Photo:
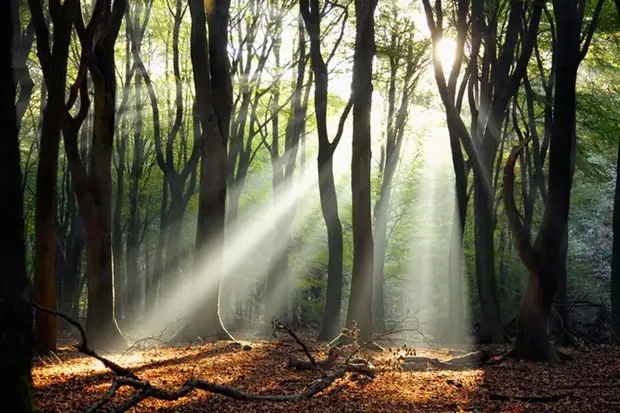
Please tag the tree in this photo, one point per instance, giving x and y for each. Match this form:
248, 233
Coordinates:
311, 14
93, 186
279, 283
53, 56
15, 313
494, 70
544, 258
360, 300
406, 60
615, 259
213, 86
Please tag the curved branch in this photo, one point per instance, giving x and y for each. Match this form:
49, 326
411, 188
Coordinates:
522, 241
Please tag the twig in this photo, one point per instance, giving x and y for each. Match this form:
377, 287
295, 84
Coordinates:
125, 378
281, 326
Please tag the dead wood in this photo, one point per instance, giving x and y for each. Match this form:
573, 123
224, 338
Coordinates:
325, 364
123, 377
471, 360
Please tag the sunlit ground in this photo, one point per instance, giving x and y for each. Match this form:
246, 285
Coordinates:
71, 382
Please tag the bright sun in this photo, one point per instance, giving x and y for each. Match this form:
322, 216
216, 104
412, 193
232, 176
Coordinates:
446, 50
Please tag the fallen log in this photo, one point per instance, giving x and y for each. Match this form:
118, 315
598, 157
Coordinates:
420, 363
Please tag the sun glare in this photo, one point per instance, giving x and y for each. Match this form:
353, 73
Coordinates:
446, 51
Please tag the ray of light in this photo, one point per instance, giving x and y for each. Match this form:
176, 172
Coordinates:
246, 239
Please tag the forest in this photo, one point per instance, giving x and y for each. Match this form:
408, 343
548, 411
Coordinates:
310, 205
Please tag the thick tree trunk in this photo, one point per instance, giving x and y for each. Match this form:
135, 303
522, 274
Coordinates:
214, 104
101, 324
45, 223
532, 342
55, 67
15, 314
359, 310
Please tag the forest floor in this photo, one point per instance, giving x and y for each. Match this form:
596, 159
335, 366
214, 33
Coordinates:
70, 382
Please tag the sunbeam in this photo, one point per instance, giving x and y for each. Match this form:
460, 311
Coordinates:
249, 240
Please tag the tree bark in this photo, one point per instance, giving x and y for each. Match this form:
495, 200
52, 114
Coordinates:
615, 257
327, 187
94, 187
54, 66
360, 299
15, 314
214, 104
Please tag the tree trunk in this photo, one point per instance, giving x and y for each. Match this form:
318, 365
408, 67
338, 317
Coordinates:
120, 277
95, 198
55, 68
485, 261
615, 256
360, 300
153, 286
133, 224
327, 185
214, 103
15, 314
532, 341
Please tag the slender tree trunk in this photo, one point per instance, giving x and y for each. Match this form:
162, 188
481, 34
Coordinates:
15, 314
153, 286
359, 310
120, 277
133, 224
615, 256
327, 186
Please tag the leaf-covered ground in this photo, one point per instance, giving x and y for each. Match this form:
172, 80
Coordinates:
71, 382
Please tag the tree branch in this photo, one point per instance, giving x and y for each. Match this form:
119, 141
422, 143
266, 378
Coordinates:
123, 377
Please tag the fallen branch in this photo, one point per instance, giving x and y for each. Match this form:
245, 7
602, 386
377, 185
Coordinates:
325, 364
419, 363
83, 346
313, 363
123, 377
530, 399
